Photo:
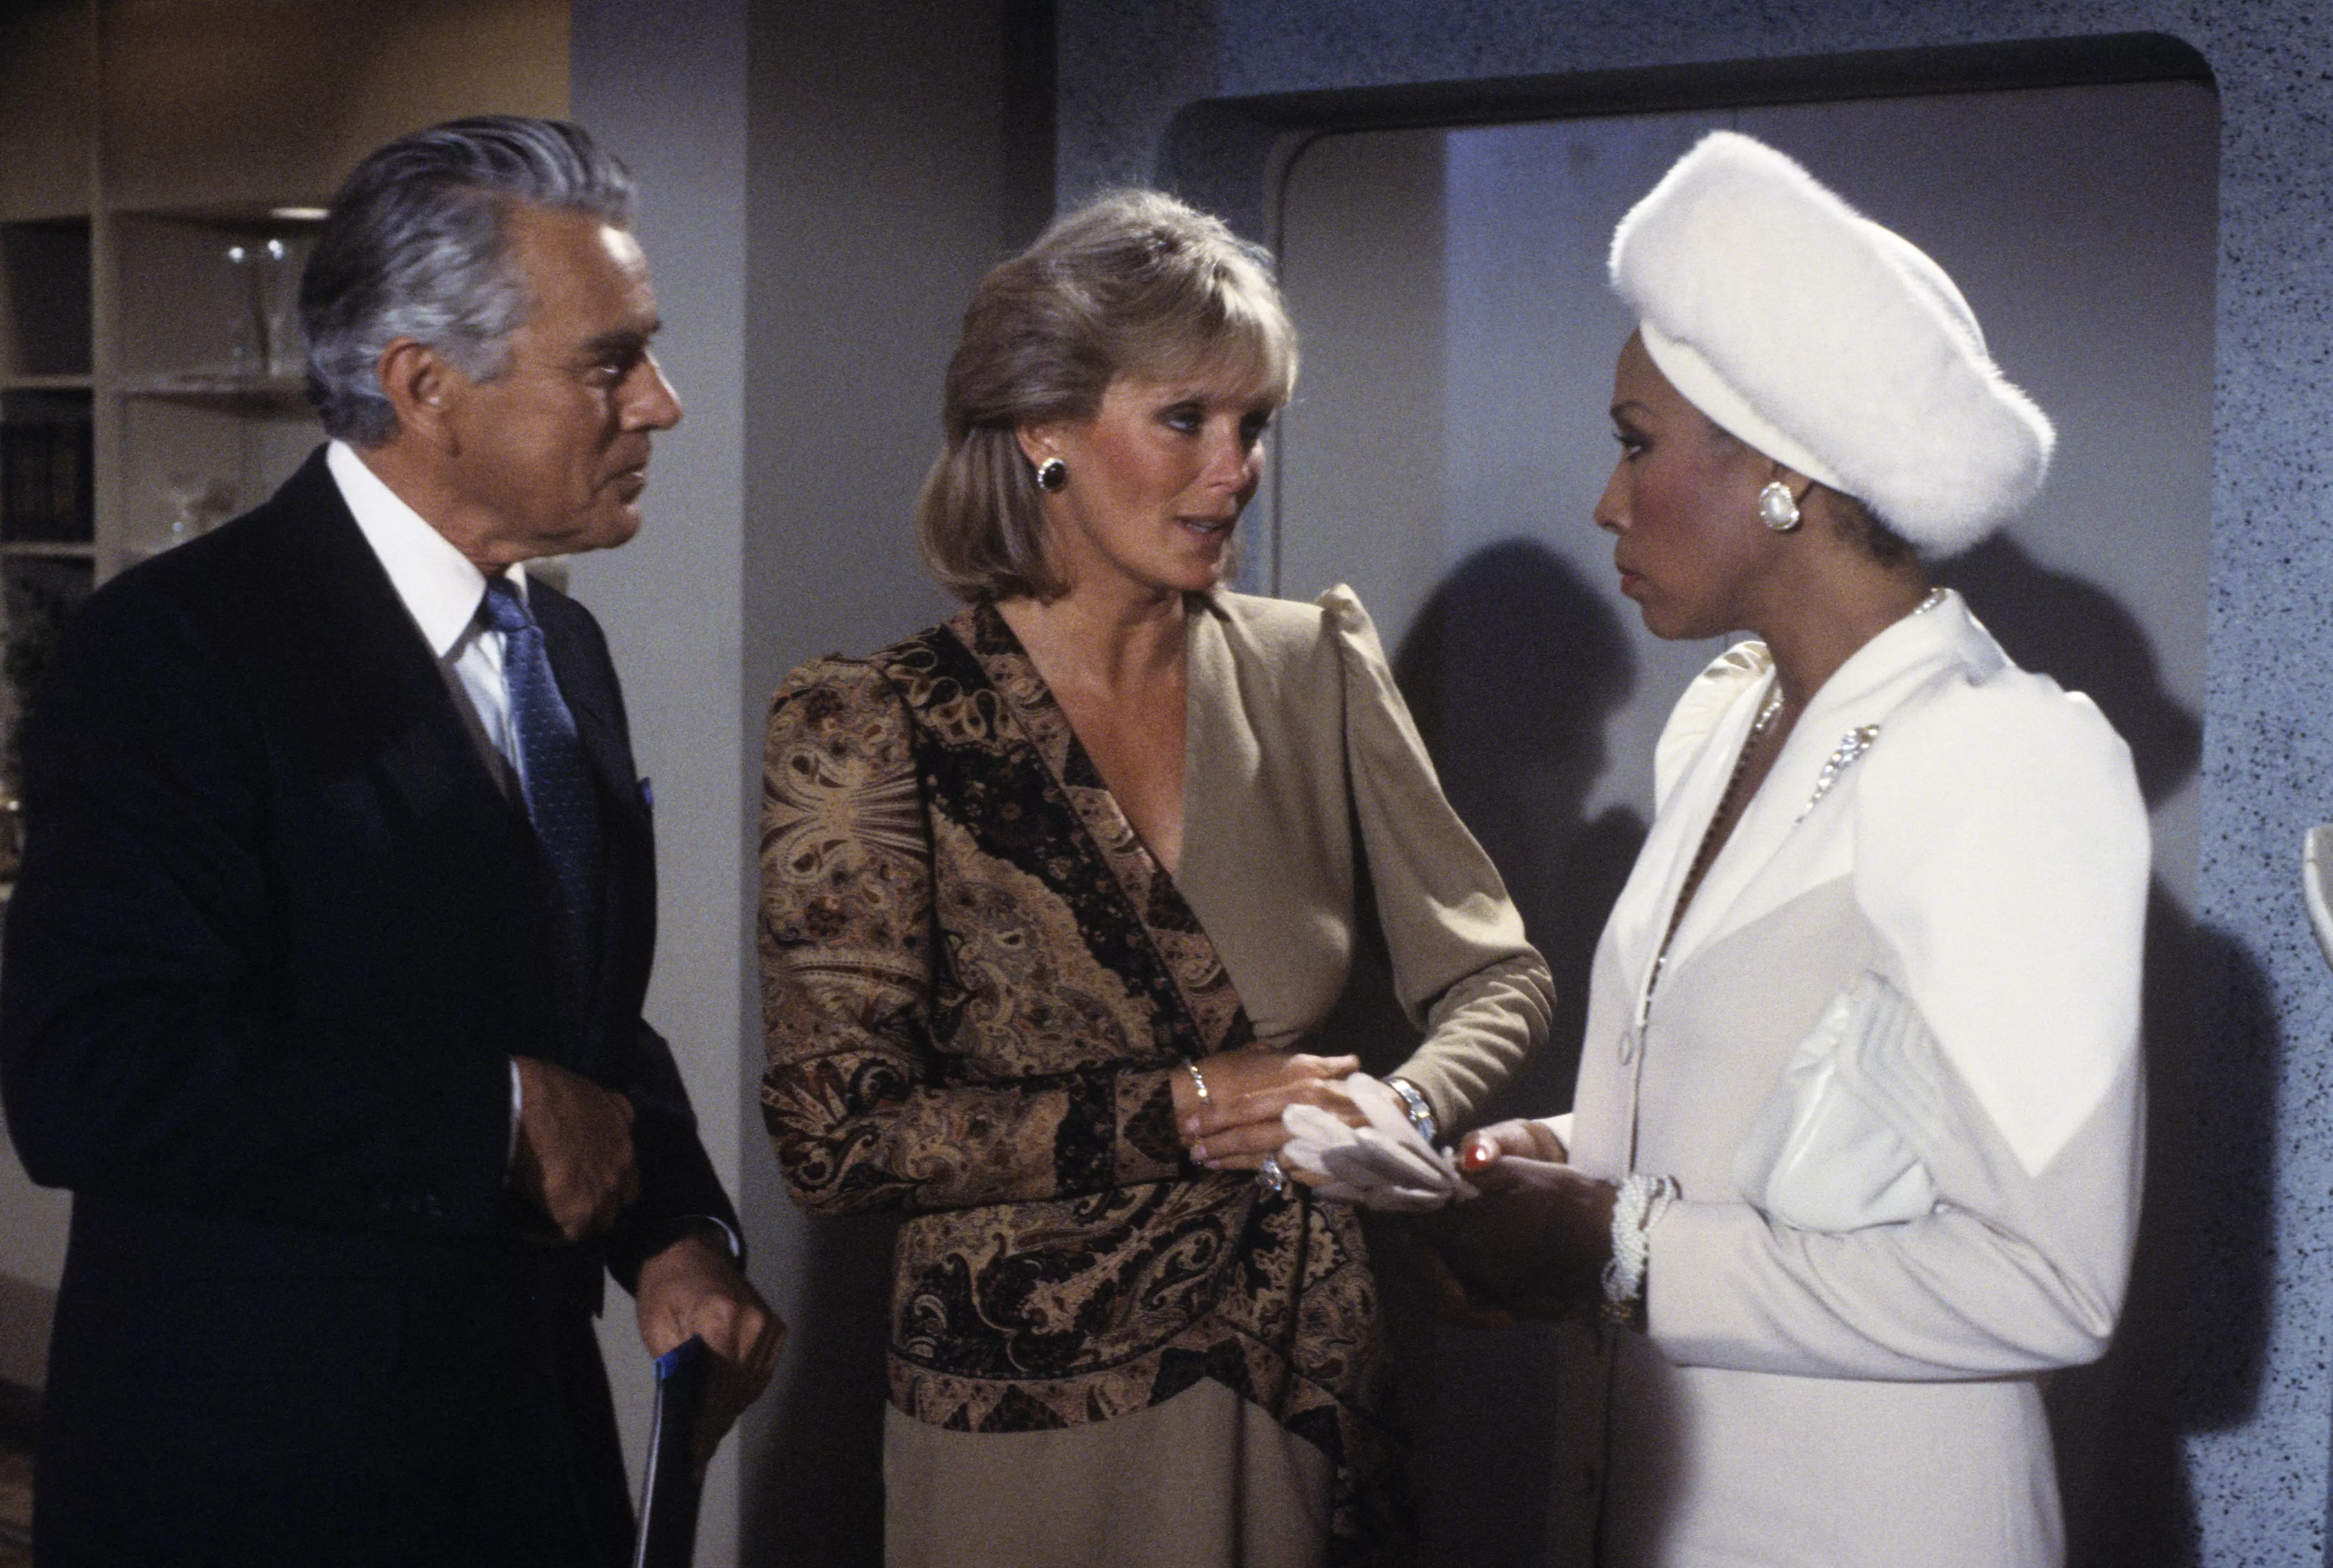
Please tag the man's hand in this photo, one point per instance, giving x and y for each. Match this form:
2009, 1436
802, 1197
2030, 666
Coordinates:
691, 1287
574, 1149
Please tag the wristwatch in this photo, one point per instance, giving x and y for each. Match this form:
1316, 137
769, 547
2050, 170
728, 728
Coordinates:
1414, 1105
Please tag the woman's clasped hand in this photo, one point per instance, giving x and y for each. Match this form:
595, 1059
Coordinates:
1240, 1121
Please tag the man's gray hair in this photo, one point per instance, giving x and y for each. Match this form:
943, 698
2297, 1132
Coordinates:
416, 247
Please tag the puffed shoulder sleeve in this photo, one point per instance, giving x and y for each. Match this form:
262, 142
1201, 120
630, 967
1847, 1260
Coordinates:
1460, 964
2001, 851
855, 1095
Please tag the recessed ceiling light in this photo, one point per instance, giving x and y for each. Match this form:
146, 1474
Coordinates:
299, 214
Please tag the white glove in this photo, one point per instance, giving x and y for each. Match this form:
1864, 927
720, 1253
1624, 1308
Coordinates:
1384, 1165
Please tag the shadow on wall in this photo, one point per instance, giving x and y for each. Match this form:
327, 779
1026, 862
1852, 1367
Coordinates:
1513, 670
825, 1444
2189, 1354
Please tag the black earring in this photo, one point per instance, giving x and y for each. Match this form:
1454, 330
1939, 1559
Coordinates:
1051, 474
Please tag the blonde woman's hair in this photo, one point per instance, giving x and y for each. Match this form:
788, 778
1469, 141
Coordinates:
1134, 284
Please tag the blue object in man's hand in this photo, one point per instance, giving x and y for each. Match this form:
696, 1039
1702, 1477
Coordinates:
673, 1484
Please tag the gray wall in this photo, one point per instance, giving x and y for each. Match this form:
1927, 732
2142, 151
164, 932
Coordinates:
33, 1222
878, 185
667, 92
822, 185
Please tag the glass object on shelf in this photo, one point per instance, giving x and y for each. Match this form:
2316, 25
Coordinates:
247, 345
190, 462
210, 306
266, 342
12, 836
279, 289
193, 504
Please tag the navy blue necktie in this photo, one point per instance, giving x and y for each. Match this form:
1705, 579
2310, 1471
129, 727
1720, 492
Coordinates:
562, 800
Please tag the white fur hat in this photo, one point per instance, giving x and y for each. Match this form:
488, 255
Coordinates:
1831, 344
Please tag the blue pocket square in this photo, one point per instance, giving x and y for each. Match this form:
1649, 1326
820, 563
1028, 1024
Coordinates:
648, 793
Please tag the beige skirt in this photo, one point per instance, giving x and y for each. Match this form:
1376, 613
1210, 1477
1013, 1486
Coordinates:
1205, 1480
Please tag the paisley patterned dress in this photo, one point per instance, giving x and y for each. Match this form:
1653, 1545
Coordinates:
977, 984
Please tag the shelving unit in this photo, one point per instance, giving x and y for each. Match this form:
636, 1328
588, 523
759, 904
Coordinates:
205, 391
48, 547
162, 163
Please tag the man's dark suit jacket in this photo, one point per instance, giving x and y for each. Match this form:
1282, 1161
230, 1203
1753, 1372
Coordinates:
277, 935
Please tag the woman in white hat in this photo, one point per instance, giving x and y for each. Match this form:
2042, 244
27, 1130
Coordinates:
1855, 1152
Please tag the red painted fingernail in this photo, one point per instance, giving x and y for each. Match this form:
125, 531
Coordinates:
1477, 1154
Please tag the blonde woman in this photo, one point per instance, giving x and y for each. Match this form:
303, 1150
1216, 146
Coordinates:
1054, 897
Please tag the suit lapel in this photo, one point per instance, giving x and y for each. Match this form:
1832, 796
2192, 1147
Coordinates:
1641, 914
373, 704
366, 677
1791, 837
370, 700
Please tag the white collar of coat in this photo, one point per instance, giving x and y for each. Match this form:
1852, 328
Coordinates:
1697, 752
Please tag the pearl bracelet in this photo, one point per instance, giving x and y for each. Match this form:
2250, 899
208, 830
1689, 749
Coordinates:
1642, 1200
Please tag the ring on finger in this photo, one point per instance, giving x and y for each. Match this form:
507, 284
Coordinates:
1272, 1177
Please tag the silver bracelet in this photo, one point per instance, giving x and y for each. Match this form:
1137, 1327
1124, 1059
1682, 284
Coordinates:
1198, 1082
1643, 1200
1414, 1105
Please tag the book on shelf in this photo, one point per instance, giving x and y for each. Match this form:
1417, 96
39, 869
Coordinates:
47, 489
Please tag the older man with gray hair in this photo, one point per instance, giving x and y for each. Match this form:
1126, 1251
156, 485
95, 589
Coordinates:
323, 978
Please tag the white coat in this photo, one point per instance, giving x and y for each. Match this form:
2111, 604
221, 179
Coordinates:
1866, 1394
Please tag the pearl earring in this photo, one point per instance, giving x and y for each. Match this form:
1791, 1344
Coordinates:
1778, 509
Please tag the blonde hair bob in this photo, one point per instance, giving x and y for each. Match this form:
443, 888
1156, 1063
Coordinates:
1134, 282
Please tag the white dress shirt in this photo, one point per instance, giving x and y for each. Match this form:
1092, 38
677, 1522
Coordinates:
441, 589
